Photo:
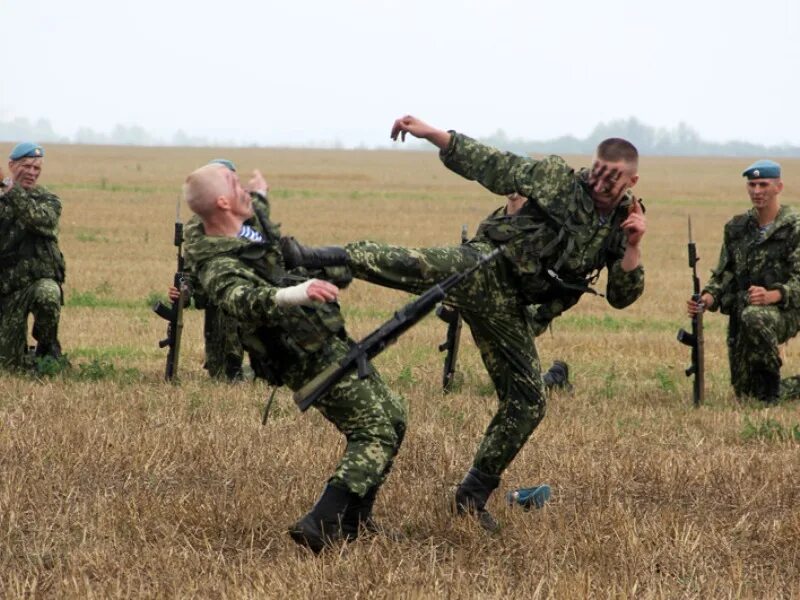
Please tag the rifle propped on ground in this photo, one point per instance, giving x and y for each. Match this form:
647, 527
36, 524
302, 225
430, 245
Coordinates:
695, 339
451, 316
377, 341
173, 314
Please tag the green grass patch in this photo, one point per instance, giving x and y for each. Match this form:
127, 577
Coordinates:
769, 430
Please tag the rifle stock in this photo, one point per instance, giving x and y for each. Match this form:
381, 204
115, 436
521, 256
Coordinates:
695, 339
377, 341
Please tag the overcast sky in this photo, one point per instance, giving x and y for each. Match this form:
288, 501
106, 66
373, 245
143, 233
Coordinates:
293, 72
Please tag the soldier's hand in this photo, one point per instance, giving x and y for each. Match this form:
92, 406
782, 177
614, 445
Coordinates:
322, 291
173, 293
695, 308
306, 293
635, 225
759, 296
258, 183
419, 129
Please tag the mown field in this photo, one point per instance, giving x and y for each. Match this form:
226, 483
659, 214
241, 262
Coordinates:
116, 484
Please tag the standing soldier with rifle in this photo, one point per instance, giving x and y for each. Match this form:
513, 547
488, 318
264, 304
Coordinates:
571, 226
757, 284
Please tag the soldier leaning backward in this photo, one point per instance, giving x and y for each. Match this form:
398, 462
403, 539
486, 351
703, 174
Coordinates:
31, 263
757, 284
298, 331
571, 226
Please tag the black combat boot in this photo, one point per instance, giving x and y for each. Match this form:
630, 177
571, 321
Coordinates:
53, 350
360, 511
328, 522
769, 388
472, 494
557, 377
297, 255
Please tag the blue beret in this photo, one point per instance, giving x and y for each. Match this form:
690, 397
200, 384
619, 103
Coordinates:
224, 162
763, 169
25, 150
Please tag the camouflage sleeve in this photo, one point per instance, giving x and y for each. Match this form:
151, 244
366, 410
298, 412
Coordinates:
624, 287
36, 210
721, 283
790, 290
238, 291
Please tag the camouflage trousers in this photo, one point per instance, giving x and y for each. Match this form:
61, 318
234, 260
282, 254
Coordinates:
371, 417
753, 338
223, 347
42, 299
500, 323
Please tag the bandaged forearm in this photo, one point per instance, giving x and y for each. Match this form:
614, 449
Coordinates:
294, 296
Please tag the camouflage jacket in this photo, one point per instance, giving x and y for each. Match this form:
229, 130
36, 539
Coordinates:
259, 221
28, 238
242, 278
746, 259
557, 244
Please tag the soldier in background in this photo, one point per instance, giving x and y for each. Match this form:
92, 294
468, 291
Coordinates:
32, 266
294, 325
757, 284
571, 226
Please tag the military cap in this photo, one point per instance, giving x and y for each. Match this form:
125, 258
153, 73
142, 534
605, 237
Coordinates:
26, 150
224, 162
763, 169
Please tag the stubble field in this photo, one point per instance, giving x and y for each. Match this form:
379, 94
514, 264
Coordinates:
116, 484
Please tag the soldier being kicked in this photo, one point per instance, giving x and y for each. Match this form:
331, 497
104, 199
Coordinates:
295, 325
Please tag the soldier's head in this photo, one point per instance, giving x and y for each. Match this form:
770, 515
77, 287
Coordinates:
764, 182
25, 164
215, 193
615, 170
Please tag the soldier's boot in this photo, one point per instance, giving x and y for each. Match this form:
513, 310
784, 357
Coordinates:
297, 255
51, 349
360, 511
472, 494
557, 377
769, 388
328, 521
233, 368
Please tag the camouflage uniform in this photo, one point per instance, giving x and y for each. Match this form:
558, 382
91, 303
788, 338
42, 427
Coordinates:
771, 260
557, 229
224, 353
31, 273
293, 344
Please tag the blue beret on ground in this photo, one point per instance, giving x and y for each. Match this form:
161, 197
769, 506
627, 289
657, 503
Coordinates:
224, 162
25, 150
763, 169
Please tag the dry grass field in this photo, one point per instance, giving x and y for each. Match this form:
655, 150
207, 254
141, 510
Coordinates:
116, 484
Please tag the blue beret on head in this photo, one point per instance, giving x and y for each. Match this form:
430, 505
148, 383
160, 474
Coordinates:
26, 150
763, 169
224, 162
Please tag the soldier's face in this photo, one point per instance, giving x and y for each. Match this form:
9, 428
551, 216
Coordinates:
241, 202
764, 192
615, 178
25, 172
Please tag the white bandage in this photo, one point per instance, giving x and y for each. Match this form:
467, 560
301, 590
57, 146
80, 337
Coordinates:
294, 296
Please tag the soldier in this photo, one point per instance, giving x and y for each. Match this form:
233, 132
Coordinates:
757, 284
295, 324
31, 263
571, 226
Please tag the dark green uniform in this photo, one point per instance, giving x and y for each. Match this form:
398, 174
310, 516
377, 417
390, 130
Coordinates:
224, 353
768, 258
31, 273
554, 248
293, 344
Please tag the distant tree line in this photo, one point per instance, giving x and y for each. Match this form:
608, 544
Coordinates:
678, 141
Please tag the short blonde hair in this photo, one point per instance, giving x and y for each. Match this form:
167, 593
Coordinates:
203, 186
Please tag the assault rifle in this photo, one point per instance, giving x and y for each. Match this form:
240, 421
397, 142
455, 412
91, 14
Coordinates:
377, 341
695, 339
451, 316
173, 314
